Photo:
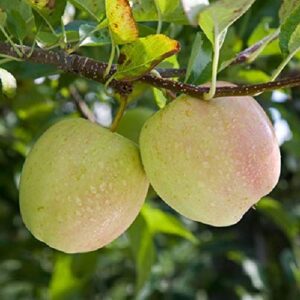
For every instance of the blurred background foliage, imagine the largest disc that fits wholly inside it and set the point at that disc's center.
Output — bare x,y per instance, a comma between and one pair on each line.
162,255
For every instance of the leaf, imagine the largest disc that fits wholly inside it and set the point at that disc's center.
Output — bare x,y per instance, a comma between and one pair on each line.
261,37
95,8
166,6
143,55
274,210
161,222
192,8
287,7
146,10
141,242
199,65
89,37
9,83
289,39
121,22
216,19
64,285
43,4
159,97
294,43
18,17
3,17
49,10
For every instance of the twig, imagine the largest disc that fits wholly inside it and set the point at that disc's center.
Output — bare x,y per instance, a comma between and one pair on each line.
94,70
82,107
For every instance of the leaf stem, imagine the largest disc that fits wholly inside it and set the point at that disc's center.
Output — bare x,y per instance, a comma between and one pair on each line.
159,15
283,64
112,56
212,90
11,42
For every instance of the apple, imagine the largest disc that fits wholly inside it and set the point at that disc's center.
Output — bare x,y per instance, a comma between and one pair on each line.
211,160
81,186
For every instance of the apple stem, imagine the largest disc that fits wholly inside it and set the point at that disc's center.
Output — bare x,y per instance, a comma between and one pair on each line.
120,113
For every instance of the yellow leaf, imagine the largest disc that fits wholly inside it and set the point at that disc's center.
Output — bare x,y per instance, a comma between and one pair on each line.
121,22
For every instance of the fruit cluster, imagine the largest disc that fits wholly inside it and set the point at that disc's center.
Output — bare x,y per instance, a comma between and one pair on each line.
82,185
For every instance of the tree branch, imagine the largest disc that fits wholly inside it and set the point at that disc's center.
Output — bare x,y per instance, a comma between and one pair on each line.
94,70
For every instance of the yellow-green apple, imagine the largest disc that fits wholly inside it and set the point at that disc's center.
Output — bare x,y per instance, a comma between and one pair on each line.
211,160
81,186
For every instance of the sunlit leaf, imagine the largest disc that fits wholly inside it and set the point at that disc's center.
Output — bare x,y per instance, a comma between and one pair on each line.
121,22
64,284
155,48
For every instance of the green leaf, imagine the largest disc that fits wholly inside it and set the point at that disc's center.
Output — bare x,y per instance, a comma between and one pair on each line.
17,25
262,35
167,6
84,264
294,42
90,37
145,11
51,13
193,8
274,210
121,22
3,18
9,83
216,19
287,8
141,242
159,98
289,39
19,18
161,222
64,285
199,65
252,76
155,48
95,8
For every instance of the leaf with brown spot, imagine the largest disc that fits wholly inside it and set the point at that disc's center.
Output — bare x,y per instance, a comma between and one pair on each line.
121,22
143,55
43,4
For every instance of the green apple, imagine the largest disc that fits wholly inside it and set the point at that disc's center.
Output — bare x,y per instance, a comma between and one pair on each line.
211,160
81,186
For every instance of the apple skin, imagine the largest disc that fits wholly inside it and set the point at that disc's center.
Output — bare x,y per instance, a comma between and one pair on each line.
132,122
211,160
81,186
